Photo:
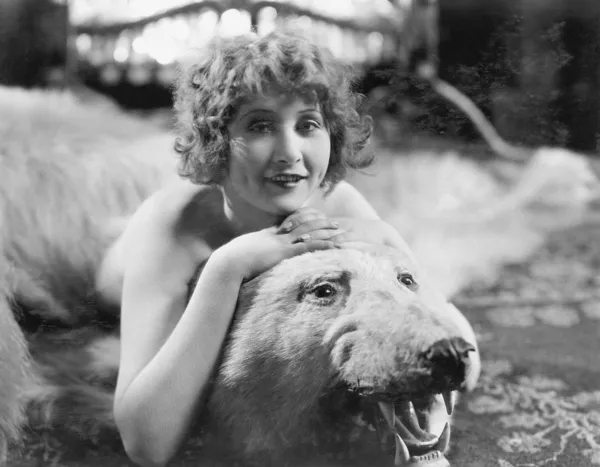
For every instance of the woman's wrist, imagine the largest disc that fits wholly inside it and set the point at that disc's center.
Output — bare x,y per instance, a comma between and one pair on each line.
228,262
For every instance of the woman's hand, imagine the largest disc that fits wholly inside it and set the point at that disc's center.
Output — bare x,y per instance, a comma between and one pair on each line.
352,231
300,217
359,231
254,253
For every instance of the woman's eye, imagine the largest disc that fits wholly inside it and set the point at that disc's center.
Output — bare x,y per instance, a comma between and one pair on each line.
308,125
261,127
323,291
407,280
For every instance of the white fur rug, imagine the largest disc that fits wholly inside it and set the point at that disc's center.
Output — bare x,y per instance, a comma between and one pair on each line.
463,223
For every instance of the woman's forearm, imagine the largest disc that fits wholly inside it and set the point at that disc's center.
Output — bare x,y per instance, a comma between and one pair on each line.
157,409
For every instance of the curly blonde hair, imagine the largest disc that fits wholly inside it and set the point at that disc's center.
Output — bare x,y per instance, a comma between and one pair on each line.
230,70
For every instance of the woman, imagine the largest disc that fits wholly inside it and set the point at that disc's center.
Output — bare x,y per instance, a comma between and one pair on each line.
269,127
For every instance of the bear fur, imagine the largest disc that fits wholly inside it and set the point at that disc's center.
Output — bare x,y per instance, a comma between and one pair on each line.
72,171
372,333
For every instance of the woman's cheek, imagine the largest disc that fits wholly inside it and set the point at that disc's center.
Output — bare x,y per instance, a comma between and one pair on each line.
259,151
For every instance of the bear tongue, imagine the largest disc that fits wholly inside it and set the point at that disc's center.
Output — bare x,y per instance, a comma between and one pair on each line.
414,446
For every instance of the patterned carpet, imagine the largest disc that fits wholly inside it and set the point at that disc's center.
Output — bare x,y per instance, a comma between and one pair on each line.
538,401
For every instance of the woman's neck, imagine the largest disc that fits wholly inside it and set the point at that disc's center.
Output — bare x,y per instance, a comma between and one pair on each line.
246,218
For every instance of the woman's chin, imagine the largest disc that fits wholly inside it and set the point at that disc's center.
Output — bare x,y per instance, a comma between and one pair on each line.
287,204
285,207
283,202
284,210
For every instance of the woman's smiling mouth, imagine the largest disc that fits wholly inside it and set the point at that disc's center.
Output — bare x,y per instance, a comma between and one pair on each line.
286,180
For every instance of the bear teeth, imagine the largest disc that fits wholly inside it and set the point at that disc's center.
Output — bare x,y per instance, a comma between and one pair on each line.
449,400
409,435
389,413
402,453
444,439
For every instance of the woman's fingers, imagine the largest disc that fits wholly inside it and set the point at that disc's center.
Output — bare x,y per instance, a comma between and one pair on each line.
300,217
311,245
344,236
313,226
321,234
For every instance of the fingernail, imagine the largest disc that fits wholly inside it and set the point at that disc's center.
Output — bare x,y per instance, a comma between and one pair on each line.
335,225
287,226
304,238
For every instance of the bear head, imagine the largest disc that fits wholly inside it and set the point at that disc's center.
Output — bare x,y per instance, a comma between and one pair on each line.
328,348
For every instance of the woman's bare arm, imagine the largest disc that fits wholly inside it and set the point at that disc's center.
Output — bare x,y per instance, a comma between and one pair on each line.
346,201
168,349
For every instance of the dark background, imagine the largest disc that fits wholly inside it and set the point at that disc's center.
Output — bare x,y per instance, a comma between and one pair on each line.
532,66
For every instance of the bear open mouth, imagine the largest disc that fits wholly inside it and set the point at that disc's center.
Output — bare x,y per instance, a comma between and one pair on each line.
407,421
409,426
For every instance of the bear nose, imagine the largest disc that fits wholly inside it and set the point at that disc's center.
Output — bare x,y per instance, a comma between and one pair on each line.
448,361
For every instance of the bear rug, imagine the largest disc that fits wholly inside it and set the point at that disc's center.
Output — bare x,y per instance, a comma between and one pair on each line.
71,172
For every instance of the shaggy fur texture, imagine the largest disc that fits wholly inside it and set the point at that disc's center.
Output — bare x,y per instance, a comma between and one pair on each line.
70,171
15,371
370,333
463,222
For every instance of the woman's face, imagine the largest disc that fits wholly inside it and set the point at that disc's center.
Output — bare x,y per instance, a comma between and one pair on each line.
280,154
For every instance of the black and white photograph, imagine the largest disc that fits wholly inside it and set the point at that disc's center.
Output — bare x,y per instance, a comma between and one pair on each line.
299,233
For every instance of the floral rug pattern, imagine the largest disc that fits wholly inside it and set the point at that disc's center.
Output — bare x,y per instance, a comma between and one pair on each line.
538,400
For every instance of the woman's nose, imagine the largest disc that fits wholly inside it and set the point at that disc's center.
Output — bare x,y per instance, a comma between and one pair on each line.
288,149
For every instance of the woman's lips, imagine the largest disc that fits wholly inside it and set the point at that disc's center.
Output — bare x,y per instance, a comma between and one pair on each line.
286,181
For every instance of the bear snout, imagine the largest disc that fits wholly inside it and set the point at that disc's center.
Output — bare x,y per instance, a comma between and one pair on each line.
448,361
390,358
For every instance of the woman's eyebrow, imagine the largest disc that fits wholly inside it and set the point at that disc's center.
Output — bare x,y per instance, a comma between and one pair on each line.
256,110
311,110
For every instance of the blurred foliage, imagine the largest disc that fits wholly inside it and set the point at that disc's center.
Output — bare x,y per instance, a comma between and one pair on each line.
503,84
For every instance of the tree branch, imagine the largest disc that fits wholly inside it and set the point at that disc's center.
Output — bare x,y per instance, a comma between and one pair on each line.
500,146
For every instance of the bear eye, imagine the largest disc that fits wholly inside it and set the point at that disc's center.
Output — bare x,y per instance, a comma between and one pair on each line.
323,291
407,279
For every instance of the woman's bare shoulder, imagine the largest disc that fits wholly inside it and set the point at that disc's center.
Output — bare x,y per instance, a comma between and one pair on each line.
179,211
159,240
165,208
344,200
